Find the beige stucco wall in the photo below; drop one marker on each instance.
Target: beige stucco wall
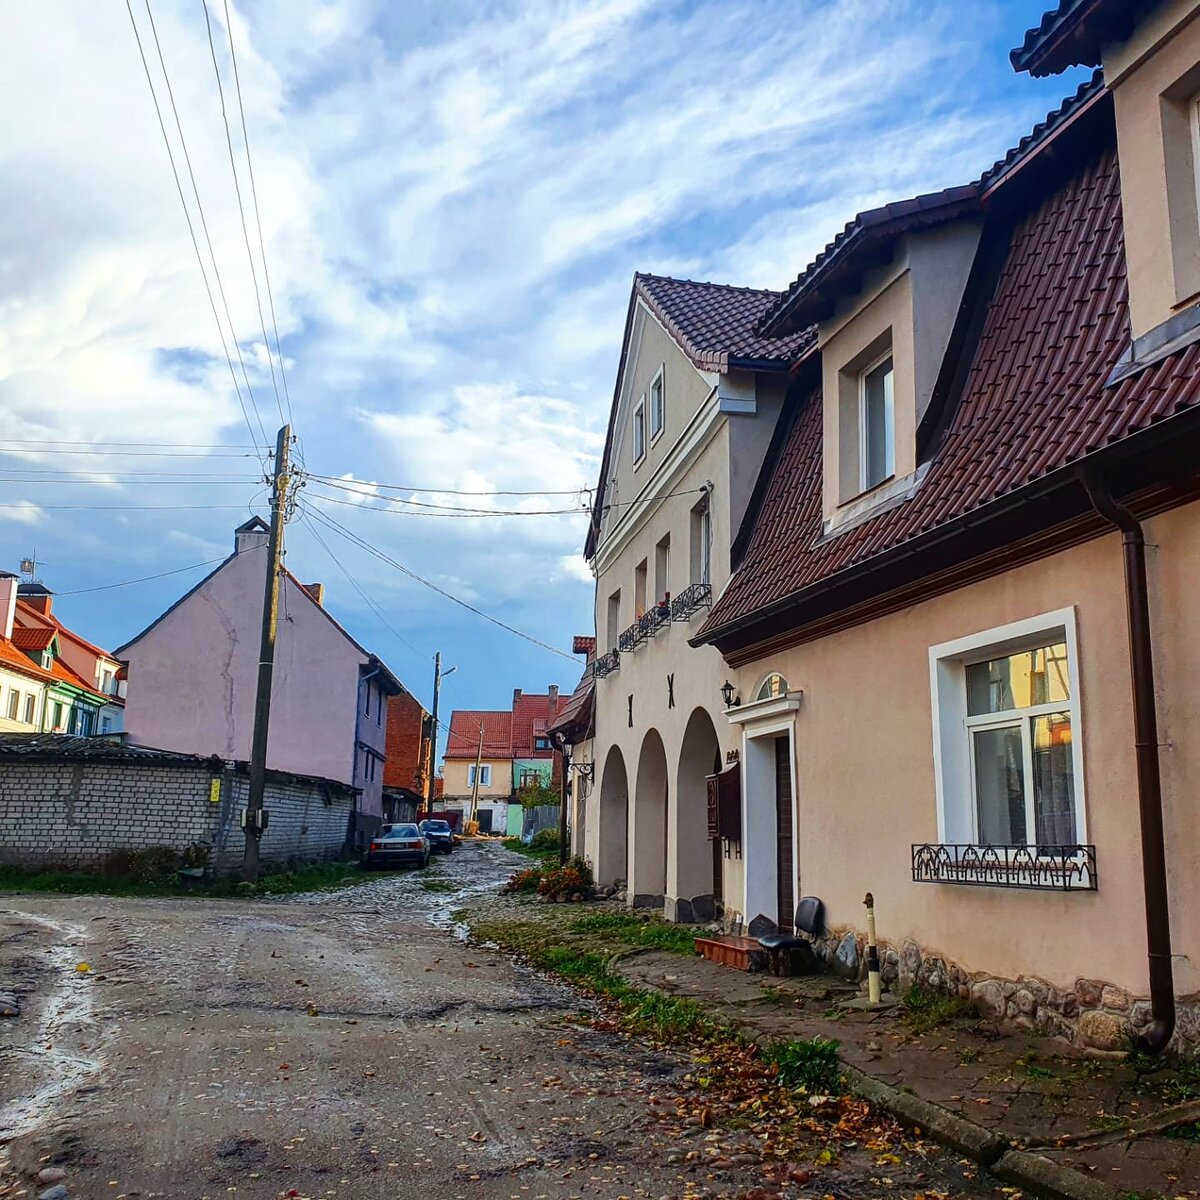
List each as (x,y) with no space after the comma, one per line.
(25,686)
(456,773)
(1153,77)
(865,770)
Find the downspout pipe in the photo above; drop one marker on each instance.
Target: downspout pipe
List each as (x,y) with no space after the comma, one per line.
(1153,1040)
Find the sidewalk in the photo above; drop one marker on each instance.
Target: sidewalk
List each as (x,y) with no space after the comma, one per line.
(1026,1091)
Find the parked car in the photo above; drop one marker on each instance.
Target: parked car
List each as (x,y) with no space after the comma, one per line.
(399,846)
(439,835)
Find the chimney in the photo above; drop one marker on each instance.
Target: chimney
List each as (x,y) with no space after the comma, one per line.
(253,535)
(553,695)
(316,591)
(37,596)
(516,696)
(8,603)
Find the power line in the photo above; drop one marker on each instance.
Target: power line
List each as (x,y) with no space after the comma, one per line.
(433,491)
(442,510)
(163,445)
(242,211)
(39,452)
(131,476)
(107,587)
(262,246)
(329,522)
(357,587)
(191,229)
(204,225)
(121,507)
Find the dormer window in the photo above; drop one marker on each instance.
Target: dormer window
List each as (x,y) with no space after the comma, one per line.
(658,406)
(876,425)
(47,660)
(639,431)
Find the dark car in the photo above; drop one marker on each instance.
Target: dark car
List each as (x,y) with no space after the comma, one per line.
(398,846)
(439,835)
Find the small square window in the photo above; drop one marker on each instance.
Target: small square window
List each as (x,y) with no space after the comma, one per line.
(658,406)
(639,431)
(876,425)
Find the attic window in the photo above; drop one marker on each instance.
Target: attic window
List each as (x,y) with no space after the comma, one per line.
(47,660)
(639,431)
(658,406)
(876,425)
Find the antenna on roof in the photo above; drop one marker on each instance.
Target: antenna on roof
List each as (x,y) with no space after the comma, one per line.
(29,568)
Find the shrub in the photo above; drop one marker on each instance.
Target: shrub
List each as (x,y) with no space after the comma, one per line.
(809,1065)
(154,864)
(527,880)
(197,855)
(926,1009)
(544,839)
(576,876)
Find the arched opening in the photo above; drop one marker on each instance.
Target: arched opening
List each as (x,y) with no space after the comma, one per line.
(648,887)
(694,875)
(612,848)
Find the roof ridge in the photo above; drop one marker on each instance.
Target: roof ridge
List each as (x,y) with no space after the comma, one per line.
(708,283)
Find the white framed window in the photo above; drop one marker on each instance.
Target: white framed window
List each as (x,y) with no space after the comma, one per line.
(662,569)
(47,660)
(1008,758)
(485,775)
(30,708)
(14,701)
(639,431)
(1194,129)
(876,424)
(701,539)
(658,405)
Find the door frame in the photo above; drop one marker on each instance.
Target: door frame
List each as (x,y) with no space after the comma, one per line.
(761,722)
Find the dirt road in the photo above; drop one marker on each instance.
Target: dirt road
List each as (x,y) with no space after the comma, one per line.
(344,1044)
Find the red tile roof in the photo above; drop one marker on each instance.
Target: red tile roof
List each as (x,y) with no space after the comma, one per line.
(16,659)
(1073,33)
(714,322)
(576,718)
(531,713)
(32,639)
(465,725)
(1034,401)
(33,618)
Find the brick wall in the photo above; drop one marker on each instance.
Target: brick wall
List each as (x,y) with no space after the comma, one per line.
(75,814)
(405,764)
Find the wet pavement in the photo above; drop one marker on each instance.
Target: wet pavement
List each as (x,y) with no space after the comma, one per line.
(342,1044)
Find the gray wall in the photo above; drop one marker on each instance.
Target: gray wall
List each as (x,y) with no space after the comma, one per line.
(76,814)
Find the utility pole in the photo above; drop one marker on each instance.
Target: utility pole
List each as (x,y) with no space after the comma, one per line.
(475,788)
(438,676)
(255,818)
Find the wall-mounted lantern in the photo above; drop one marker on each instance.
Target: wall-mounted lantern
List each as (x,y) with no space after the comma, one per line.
(728,694)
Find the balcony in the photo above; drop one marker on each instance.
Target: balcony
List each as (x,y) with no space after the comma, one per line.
(1055,868)
(690,601)
(607,664)
(630,638)
(655,619)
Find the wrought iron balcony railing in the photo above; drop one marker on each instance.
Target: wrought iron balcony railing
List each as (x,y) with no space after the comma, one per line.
(655,619)
(630,638)
(690,601)
(1065,868)
(606,664)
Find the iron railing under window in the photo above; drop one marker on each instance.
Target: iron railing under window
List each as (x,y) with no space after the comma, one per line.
(606,664)
(655,619)
(1065,868)
(690,600)
(630,638)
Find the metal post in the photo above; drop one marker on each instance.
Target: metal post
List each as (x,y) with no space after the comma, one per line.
(255,814)
(475,789)
(874,988)
(565,768)
(433,733)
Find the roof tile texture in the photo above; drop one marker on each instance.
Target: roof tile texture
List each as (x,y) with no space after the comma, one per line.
(1034,399)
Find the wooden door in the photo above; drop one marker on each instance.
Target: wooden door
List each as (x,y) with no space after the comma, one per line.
(783,833)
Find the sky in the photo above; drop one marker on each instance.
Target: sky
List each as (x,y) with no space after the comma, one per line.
(453,198)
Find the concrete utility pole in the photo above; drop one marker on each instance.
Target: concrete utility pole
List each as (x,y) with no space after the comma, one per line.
(438,676)
(256,816)
(475,788)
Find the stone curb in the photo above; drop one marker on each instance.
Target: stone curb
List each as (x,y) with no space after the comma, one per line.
(1032,1172)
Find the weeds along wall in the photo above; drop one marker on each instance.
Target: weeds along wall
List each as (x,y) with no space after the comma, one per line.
(75,815)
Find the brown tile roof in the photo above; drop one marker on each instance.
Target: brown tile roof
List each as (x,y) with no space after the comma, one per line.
(32,639)
(714,323)
(576,717)
(530,715)
(463,738)
(1072,33)
(1034,401)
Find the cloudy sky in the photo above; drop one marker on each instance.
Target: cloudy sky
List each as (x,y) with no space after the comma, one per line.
(453,198)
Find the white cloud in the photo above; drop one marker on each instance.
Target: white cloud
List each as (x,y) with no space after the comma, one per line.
(22,512)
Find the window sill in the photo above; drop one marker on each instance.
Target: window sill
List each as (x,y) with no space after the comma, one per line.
(887,495)
(1043,868)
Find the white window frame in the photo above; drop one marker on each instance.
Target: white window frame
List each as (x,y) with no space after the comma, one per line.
(864,484)
(485,775)
(1194,127)
(13,710)
(639,432)
(658,412)
(29,714)
(953,741)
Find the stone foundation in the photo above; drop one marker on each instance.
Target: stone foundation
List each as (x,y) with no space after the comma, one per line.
(1092,1015)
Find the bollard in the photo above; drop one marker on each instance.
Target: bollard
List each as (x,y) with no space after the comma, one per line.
(874,990)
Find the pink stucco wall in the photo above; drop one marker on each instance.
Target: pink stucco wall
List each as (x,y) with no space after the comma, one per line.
(192,677)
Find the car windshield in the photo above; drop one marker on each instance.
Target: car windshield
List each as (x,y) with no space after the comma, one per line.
(403,831)
(436,826)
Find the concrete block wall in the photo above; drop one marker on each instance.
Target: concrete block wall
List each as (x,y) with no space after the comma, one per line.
(75,814)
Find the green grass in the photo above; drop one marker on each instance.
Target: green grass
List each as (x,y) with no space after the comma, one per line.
(925,1010)
(310,877)
(808,1064)
(546,857)
(638,931)
(1176,1080)
(1184,1133)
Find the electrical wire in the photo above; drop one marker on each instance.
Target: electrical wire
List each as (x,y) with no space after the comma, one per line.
(204,224)
(121,507)
(38,452)
(242,210)
(162,445)
(94,476)
(363,544)
(262,246)
(433,491)
(421,510)
(108,587)
(191,228)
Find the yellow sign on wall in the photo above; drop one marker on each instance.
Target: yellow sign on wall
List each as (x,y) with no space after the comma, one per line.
(214,791)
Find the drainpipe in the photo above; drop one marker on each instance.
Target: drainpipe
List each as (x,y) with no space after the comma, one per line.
(1145,726)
